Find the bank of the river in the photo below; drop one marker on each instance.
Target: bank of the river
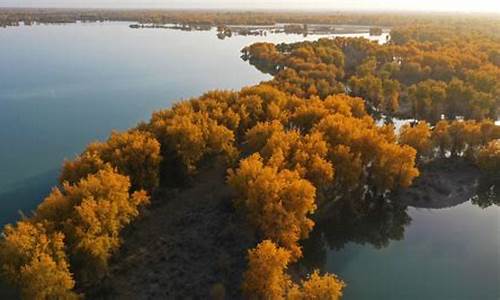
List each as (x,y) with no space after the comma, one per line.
(442,183)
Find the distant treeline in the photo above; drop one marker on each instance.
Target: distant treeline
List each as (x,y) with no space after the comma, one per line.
(12,17)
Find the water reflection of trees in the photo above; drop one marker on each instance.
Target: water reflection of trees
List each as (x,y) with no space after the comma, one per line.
(487,193)
(376,223)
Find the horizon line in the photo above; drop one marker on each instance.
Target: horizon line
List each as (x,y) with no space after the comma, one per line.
(262,9)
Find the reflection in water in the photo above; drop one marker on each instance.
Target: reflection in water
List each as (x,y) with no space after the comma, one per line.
(385,250)
(373,222)
(377,223)
(487,193)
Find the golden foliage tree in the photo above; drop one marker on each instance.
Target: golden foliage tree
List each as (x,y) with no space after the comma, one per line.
(34,260)
(135,154)
(288,149)
(277,202)
(441,138)
(265,277)
(417,137)
(394,167)
(92,213)
(89,162)
(192,136)
(360,151)
(327,286)
(349,168)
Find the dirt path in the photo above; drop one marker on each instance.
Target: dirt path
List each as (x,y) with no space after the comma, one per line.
(183,245)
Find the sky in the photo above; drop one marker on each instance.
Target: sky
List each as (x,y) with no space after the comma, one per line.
(488,6)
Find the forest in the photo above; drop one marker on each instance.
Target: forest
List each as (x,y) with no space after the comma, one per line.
(318,137)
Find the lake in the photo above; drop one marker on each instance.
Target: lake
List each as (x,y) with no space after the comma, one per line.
(63,86)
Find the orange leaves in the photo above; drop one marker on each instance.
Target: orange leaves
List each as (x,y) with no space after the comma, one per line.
(463,138)
(192,136)
(266,277)
(441,138)
(418,137)
(428,100)
(89,162)
(44,278)
(90,209)
(302,69)
(359,151)
(91,214)
(368,87)
(349,167)
(80,221)
(394,167)
(310,160)
(264,56)
(278,203)
(489,159)
(327,287)
(135,154)
(330,132)
(305,154)
(450,75)
(34,260)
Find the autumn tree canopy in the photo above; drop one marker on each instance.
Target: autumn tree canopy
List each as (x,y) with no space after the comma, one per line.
(267,278)
(135,154)
(34,259)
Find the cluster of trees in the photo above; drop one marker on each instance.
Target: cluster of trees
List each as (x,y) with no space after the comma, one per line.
(425,72)
(71,235)
(266,277)
(69,239)
(477,142)
(469,139)
(135,154)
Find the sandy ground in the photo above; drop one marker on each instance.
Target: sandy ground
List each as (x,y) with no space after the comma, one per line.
(194,240)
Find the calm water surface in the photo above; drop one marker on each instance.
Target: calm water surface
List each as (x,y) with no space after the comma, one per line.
(451,253)
(62,86)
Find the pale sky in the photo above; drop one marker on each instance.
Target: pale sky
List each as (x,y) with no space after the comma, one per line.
(489,6)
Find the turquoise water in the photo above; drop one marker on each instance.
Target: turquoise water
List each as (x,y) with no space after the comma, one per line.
(62,86)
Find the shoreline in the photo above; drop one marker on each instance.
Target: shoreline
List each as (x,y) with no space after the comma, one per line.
(443,183)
